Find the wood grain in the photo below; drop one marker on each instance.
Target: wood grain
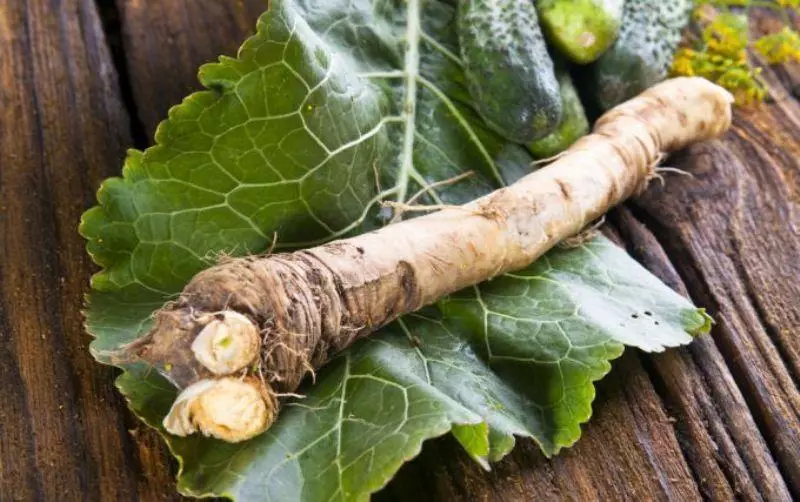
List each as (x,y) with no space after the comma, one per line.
(720,439)
(718,420)
(173,38)
(737,230)
(62,129)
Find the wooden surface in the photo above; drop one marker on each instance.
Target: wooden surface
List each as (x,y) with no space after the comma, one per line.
(80,80)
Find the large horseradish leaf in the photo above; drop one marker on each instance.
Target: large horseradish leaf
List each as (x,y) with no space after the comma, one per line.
(332,107)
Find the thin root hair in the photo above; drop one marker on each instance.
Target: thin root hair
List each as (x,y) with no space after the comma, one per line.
(583,236)
(547,160)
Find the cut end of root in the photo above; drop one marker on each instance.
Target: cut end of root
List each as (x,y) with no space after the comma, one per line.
(227,344)
(229,409)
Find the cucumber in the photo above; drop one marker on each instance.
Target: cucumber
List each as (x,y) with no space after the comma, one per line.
(574,123)
(642,54)
(508,69)
(581,29)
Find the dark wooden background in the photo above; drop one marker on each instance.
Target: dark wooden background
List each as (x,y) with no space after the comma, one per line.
(81,80)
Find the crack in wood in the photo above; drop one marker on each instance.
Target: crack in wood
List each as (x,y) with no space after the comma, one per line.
(111,19)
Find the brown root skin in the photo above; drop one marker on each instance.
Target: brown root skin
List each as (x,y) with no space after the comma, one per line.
(310,304)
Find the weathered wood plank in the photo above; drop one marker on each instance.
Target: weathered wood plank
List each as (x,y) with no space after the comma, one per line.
(62,129)
(719,436)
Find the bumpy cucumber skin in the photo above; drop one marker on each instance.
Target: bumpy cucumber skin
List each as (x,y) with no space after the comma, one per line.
(581,29)
(573,126)
(509,71)
(642,54)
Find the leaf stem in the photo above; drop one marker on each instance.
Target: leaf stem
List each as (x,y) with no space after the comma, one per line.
(383,74)
(451,106)
(441,48)
(411,70)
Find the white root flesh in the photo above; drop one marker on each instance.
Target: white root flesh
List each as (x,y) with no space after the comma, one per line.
(227,408)
(227,344)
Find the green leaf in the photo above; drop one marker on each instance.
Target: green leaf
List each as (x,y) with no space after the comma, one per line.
(332,107)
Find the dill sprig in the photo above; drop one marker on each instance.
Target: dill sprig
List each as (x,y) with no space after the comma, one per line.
(719,50)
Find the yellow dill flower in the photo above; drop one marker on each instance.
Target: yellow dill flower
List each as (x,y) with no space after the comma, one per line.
(789,4)
(721,53)
(738,77)
(726,36)
(780,47)
(682,62)
(753,95)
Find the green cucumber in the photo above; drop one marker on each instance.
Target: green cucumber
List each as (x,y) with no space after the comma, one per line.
(573,126)
(642,54)
(508,69)
(581,29)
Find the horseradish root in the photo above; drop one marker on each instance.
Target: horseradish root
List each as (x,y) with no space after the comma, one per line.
(248,330)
